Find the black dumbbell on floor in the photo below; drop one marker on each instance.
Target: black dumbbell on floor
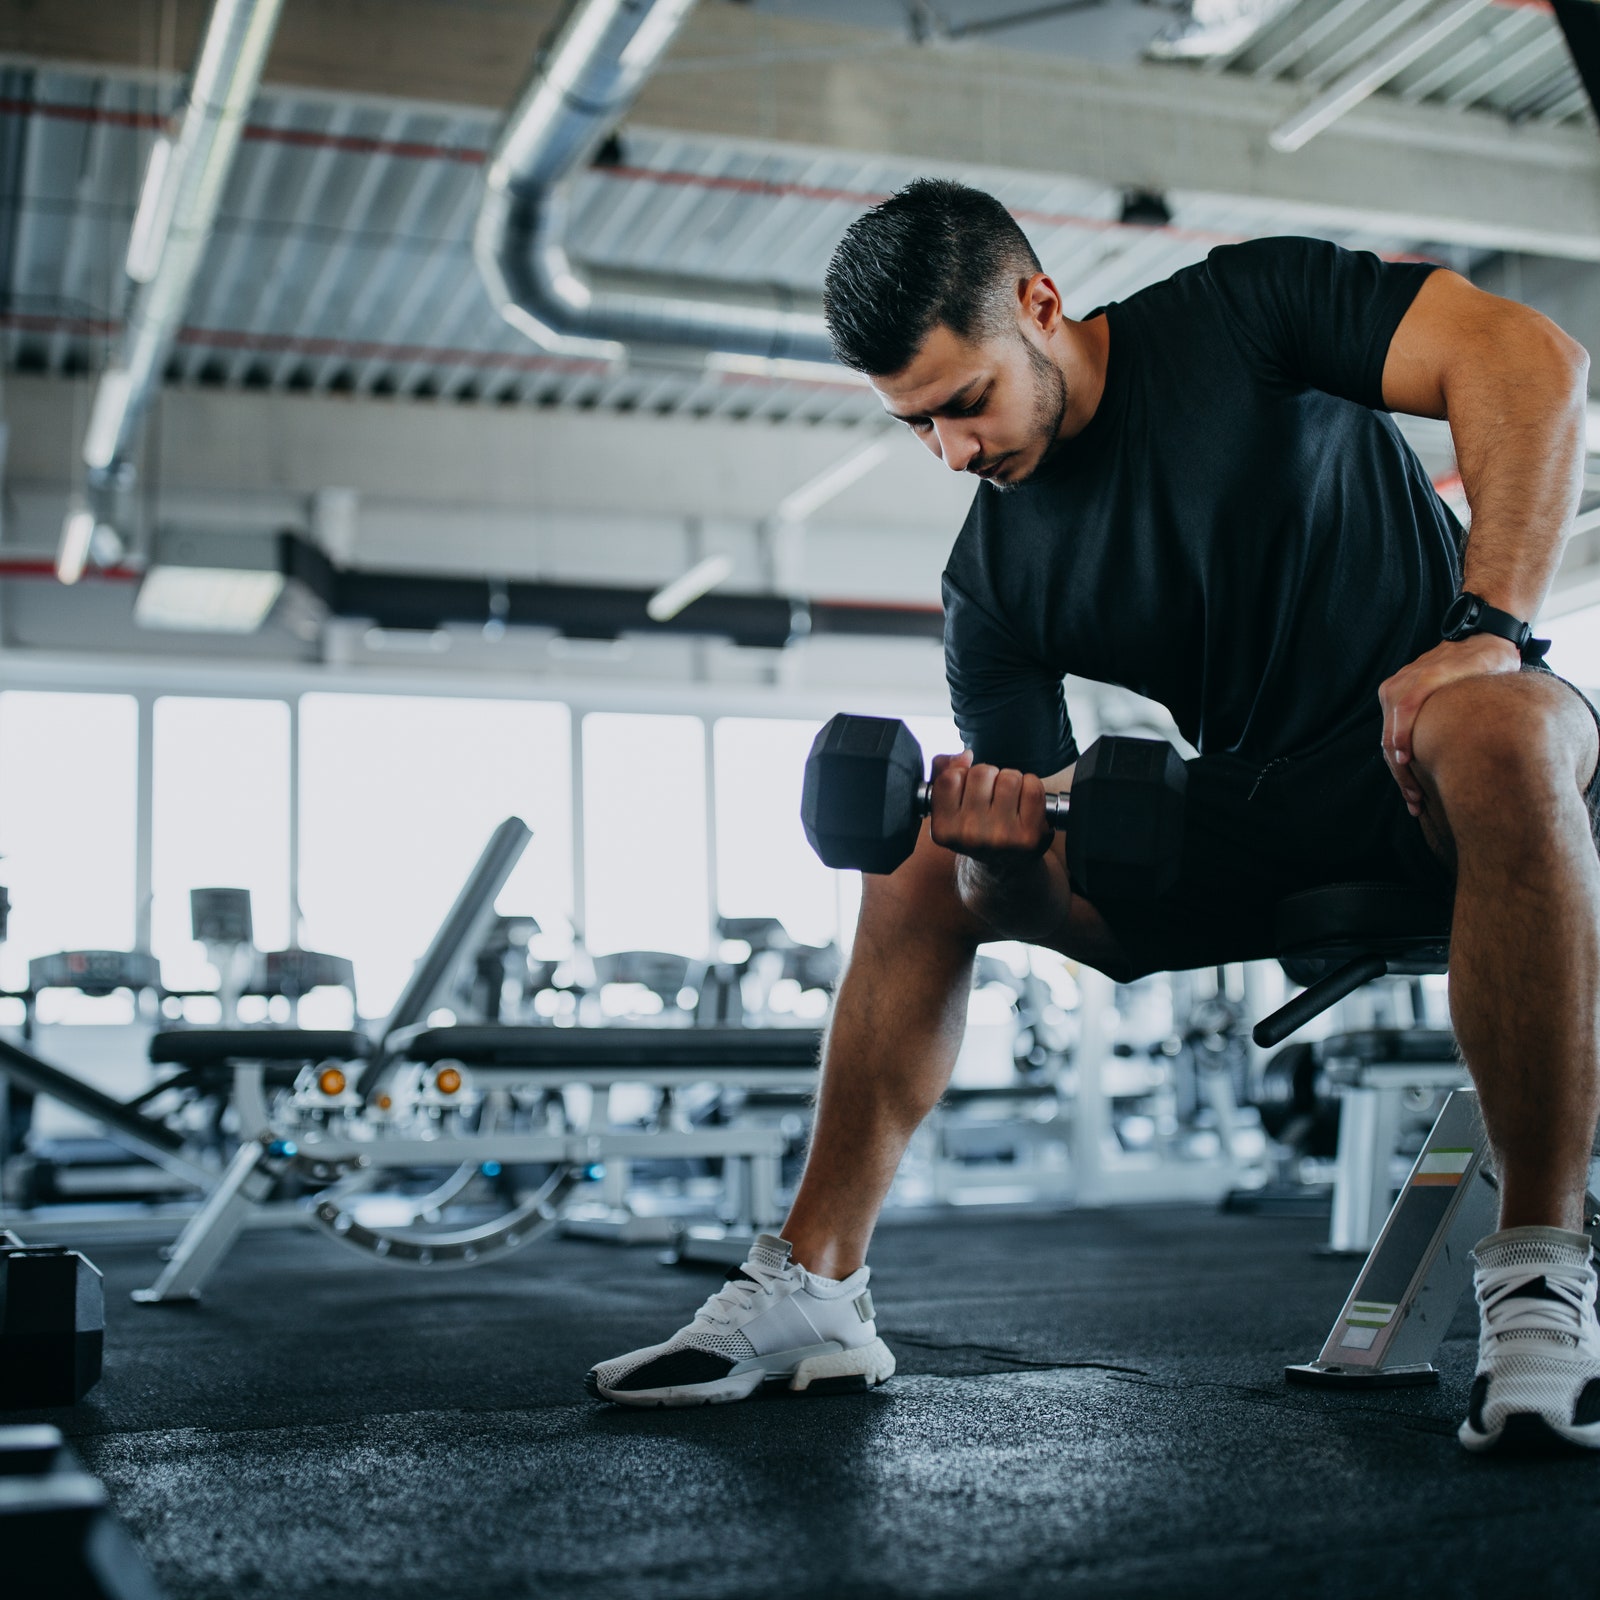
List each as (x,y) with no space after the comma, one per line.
(865,797)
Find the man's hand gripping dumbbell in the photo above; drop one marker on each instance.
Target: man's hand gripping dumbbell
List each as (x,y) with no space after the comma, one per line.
(865,797)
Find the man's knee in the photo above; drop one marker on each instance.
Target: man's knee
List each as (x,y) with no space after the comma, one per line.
(1491,746)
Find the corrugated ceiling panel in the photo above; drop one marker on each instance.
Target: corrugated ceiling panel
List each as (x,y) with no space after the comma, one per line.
(342,256)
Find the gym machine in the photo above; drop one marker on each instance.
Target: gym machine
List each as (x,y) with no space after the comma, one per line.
(441,1147)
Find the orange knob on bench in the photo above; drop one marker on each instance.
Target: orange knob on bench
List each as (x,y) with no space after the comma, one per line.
(448,1080)
(330,1081)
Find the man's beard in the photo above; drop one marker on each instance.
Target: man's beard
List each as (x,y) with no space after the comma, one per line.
(1049,410)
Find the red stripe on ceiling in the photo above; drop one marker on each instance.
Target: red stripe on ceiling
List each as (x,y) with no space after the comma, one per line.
(61,111)
(26,567)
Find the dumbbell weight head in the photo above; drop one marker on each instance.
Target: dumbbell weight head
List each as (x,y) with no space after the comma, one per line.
(859,803)
(1125,837)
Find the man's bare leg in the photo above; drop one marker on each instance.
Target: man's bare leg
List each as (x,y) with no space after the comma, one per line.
(1504,761)
(897,1026)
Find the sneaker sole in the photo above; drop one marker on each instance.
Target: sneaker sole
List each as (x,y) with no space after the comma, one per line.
(1526,1433)
(841,1372)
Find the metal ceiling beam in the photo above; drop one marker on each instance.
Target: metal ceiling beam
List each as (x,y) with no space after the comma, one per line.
(1459,177)
(1368,76)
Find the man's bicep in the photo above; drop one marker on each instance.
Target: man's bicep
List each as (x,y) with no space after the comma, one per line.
(1451,326)
(1444,313)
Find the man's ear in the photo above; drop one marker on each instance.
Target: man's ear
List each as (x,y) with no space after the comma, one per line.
(1040,302)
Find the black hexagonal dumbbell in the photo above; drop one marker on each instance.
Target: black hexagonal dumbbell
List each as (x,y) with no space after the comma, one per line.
(865,797)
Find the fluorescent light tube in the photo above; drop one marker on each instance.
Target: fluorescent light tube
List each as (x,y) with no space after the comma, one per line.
(153,220)
(73,552)
(107,417)
(700,579)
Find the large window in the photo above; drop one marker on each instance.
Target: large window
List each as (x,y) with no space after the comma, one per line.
(68,799)
(220,820)
(398,797)
(644,833)
(765,868)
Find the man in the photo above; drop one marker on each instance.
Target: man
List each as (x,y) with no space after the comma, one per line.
(1198,494)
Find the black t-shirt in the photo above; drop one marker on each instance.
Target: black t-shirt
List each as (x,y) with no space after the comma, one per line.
(1239,533)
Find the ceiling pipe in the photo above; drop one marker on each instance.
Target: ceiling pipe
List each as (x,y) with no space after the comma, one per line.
(584,83)
(420,601)
(177,212)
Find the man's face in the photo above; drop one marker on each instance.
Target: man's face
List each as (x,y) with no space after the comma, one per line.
(991,407)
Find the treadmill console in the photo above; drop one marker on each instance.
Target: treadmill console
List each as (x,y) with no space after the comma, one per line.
(95,972)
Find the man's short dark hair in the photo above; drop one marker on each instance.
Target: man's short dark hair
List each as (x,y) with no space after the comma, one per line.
(936,252)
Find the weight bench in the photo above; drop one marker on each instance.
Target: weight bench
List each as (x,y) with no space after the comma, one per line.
(665,1058)
(259,1058)
(1336,938)
(206,1057)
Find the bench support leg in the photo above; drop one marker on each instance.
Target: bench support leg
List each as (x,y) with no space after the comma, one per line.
(1409,1287)
(212,1230)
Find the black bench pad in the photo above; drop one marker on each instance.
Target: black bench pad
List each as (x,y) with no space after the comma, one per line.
(201,1047)
(786,1049)
(1342,918)
(1388,1046)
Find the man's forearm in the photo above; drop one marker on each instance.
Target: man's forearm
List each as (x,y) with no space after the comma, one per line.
(1518,426)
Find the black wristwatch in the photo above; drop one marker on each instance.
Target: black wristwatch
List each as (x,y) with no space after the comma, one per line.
(1471,613)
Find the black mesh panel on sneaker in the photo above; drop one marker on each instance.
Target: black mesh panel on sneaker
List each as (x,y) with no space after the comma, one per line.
(677,1367)
(1587,1409)
(1475,1400)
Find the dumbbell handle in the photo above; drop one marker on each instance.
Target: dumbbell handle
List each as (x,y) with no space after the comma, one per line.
(1056,806)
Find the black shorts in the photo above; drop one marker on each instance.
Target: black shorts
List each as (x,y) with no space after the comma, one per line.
(1254,835)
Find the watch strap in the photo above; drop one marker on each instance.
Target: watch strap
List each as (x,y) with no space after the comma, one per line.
(1484,618)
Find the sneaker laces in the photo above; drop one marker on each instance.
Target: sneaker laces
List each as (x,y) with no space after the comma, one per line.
(1557,1309)
(740,1293)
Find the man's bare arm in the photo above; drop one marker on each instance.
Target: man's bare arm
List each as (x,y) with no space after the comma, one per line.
(1514,388)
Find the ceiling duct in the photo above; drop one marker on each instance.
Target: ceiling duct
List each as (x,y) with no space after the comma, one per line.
(423,601)
(177,211)
(584,83)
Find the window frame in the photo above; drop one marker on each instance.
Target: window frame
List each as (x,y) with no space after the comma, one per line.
(148,681)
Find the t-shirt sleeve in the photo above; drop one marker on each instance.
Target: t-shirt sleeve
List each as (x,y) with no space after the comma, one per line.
(1011,712)
(1314,314)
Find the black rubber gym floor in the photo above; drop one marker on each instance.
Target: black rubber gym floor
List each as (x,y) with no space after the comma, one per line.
(1087,1404)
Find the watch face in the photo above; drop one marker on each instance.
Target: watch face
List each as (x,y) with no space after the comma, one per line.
(1462,614)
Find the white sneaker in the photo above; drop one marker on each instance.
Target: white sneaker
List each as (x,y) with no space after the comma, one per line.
(1538,1380)
(771,1323)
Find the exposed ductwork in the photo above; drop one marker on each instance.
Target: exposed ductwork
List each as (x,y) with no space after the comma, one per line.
(177,211)
(421,601)
(584,83)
